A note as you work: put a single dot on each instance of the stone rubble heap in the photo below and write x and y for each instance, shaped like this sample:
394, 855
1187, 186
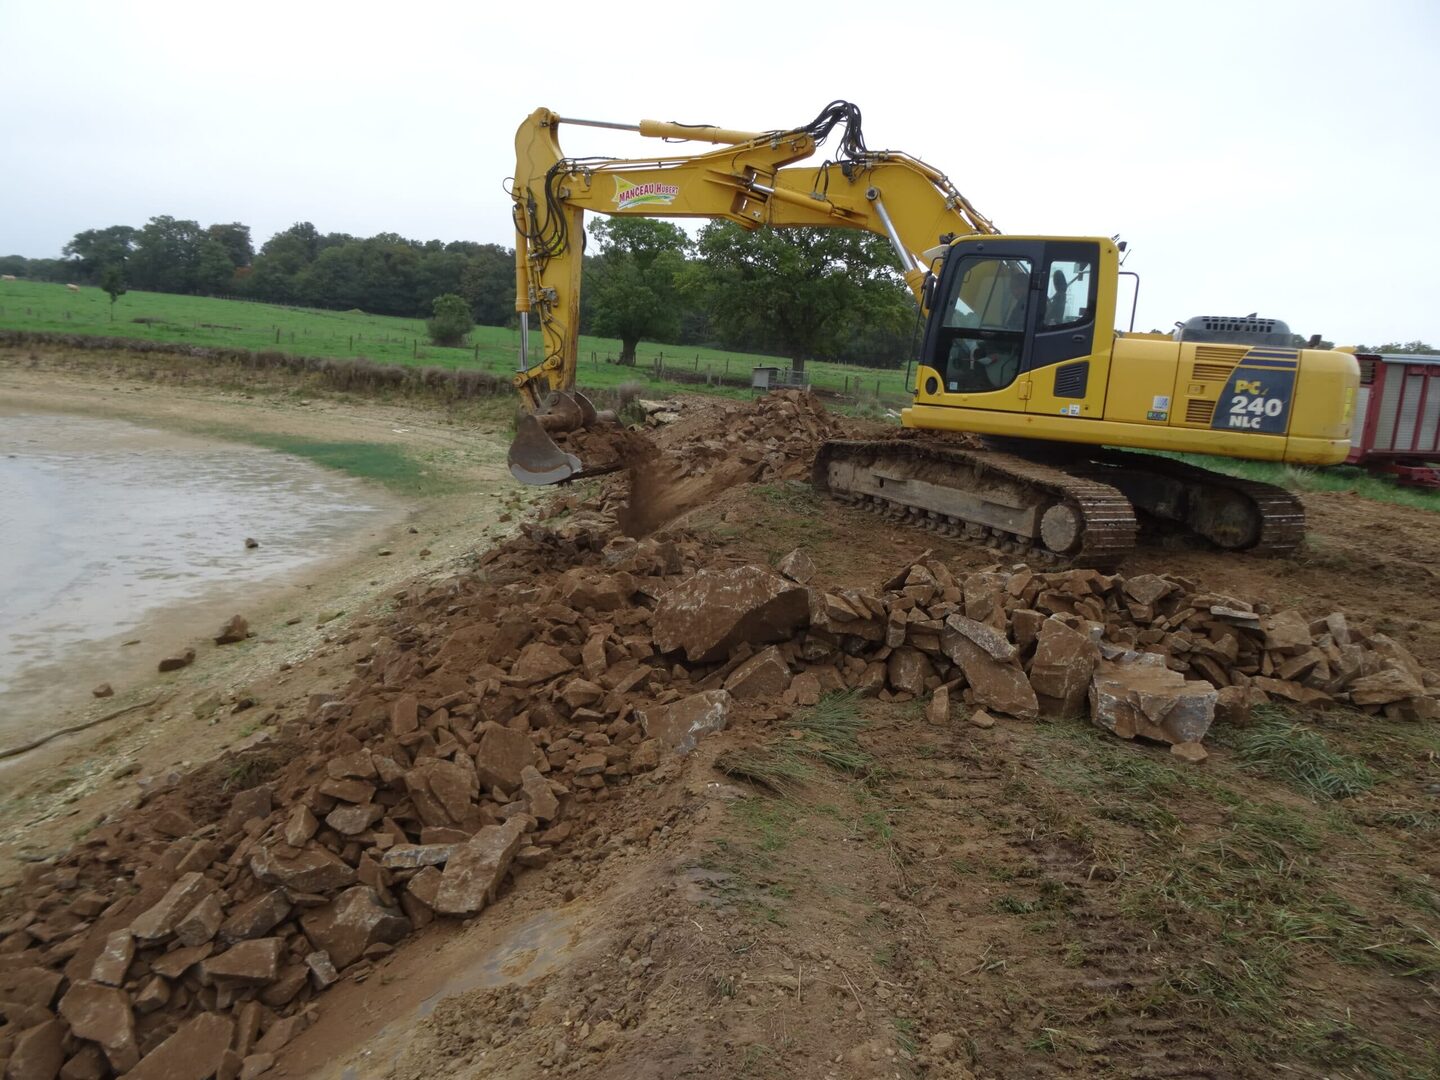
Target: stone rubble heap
776, 435
188, 937
1150, 655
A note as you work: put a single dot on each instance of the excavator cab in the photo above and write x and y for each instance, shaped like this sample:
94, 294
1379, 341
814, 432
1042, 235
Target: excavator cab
1005, 309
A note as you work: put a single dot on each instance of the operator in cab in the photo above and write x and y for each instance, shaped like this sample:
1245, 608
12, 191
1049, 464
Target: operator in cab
979, 365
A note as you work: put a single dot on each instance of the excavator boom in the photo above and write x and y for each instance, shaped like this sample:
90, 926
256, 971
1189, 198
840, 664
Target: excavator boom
753, 181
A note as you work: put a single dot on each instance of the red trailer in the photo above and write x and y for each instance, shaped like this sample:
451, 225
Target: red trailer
1397, 417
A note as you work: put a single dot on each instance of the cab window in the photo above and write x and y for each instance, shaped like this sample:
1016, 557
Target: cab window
985, 319
1069, 298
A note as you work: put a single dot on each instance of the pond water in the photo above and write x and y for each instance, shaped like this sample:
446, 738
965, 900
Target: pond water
104, 523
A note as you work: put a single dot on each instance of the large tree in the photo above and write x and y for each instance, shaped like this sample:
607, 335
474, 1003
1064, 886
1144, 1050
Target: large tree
282, 258
235, 239
633, 288
94, 250
805, 293
167, 255
487, 282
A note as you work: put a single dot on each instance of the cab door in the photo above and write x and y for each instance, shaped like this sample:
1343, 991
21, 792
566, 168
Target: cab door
1067, 373
979, 339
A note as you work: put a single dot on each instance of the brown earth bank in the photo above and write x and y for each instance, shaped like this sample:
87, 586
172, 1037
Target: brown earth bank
785, 790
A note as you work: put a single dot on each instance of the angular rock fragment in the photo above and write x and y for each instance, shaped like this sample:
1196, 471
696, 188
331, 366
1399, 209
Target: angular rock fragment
1061, 669
938, 710
300, 826
474, 874
538, 662
114, 960
248, 963
235, 629
906, 671
159, 922
711, 612
351, 923
806, 688
1150, 701
322, 970
990, 639
764, 676
201, 923
1002, 687
194, 1052
349, 819
178, 661
797, 566
1285, 631
177, 962
312, 869
540, 799
256, 917
38, 1052
681, 724
1386, 686
1193, 752
404, 714
502, 757
102, 1015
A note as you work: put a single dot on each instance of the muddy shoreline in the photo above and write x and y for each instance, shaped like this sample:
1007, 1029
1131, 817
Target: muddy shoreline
124, 540
51, 794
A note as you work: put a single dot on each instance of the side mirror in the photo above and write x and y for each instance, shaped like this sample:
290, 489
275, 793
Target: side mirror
927, 292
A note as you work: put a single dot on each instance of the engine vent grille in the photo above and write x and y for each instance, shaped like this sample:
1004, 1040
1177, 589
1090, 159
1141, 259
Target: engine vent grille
1213, 363
1199, 411
1219, 354
1071, 379
1367, 372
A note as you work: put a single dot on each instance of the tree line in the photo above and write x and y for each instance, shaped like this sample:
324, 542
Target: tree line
803, 294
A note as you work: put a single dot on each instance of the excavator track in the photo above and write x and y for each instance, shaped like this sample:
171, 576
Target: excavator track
1041, 512
1231, 513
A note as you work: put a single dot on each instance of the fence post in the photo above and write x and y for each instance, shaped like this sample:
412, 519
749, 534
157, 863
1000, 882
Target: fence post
477, 354
352, 342
415, 355
277, 335
697, 361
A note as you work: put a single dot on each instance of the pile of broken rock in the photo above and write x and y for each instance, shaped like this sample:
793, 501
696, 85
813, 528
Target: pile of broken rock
1150, 656
774, 436
496, 712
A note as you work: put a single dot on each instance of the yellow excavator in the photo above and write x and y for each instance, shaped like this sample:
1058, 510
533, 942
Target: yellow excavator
1019, 349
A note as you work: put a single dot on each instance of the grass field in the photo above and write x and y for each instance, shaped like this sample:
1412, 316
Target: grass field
244, 324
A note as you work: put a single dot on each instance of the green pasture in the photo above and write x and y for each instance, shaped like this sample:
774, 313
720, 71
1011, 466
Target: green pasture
244, 324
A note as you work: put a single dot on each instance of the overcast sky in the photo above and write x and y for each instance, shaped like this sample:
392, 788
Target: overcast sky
1262, 156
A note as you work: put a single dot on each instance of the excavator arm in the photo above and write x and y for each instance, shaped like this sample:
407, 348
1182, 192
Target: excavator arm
752, 180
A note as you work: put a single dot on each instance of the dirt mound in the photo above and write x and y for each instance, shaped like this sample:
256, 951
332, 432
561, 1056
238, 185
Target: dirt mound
774, 437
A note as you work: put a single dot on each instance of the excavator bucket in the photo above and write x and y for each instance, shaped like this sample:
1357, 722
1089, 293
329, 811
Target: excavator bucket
537, 459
